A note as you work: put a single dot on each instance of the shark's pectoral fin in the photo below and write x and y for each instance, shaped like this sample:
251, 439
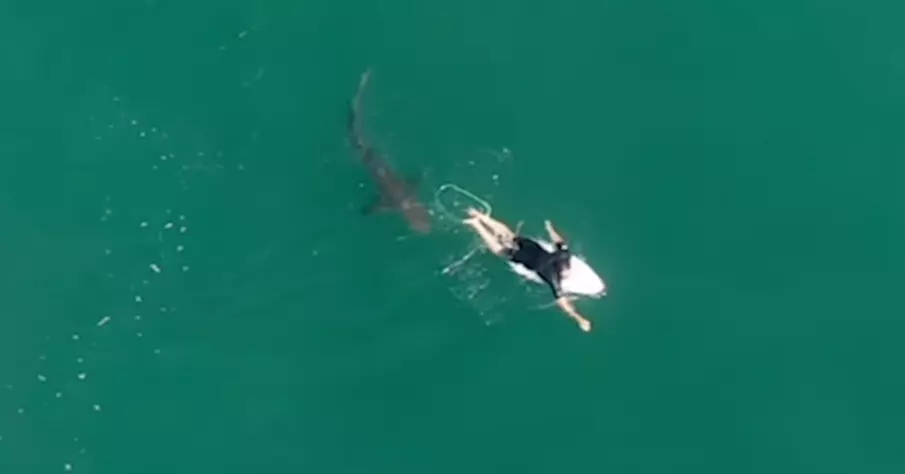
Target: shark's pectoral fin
380, 204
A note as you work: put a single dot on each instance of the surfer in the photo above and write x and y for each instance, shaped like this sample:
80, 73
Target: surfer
551, 267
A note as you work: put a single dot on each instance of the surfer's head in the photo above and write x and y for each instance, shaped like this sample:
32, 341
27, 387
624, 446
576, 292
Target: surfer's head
563, 258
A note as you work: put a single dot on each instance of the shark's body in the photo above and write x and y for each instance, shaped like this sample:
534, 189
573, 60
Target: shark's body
396, 193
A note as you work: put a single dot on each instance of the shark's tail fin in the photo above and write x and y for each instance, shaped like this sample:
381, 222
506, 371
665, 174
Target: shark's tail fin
356, 134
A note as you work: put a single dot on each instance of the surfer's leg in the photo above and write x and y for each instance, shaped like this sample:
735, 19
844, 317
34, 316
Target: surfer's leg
503, 232
491, 240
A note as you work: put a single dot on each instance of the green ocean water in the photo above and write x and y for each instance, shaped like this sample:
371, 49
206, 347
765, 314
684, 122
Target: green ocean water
189, 285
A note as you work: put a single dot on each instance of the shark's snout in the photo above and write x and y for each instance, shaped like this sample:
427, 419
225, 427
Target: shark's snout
418, 217
420, 222
422, 227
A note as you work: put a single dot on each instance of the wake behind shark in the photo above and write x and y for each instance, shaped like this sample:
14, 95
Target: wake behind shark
396, 193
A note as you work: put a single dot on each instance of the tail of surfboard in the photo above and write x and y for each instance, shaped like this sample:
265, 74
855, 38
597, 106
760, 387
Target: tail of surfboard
356, 134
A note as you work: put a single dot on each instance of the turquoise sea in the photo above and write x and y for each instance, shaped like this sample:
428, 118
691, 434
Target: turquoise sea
189, 285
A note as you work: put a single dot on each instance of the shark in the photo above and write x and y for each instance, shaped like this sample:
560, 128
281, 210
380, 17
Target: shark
395, 192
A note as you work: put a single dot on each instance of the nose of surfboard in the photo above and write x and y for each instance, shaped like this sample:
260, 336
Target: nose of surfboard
583, 280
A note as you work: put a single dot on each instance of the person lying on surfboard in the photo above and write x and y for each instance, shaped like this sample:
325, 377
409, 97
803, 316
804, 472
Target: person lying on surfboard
551, 267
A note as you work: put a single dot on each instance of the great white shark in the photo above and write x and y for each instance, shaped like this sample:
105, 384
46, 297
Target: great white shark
396, 193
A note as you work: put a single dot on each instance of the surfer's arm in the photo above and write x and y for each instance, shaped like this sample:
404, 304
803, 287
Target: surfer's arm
566, 305
554, 236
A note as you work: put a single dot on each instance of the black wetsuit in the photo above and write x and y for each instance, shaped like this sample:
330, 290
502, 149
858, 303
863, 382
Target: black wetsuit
548, 266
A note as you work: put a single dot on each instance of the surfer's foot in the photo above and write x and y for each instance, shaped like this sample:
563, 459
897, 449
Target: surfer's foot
475, 214
585, 325
474, 217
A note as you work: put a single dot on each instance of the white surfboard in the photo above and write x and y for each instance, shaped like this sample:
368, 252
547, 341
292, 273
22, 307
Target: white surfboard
581, 280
